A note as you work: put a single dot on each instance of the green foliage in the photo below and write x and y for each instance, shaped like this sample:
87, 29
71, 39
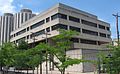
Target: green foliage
22, 45
112, 63
6, 54
62, 44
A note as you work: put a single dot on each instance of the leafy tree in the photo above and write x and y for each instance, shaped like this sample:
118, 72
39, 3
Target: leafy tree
112, 61
62, 44
22, 45
6, 54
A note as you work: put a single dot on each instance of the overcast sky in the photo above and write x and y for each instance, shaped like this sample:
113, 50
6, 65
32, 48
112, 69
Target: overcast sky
102, 8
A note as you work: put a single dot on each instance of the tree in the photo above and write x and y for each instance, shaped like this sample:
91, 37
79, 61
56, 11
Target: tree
6, 54
112, 61
62, 44
22, 45
36, 57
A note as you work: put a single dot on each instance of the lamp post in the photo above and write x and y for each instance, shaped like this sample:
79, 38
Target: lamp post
99, 68
46, 40
33, 36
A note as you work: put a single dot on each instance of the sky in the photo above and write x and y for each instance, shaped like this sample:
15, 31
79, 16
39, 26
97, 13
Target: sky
101, 8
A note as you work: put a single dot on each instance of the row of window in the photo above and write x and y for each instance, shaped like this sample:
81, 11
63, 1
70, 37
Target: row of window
62, 26
86, 41
75, 19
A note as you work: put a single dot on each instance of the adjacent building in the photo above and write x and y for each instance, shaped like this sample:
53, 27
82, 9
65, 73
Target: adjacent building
21, 17
94, 33
10, 22
6, 26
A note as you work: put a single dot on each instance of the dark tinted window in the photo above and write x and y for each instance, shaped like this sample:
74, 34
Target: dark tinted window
39, 33
88, 23
37, 24
101, 26
108, 35
74, 19
75, 40
108, 28
89, 32
47, 19
58, 15
25, 16
27, 28
48, 29
74, 28
88, 41
102, 35
20, 32
59, 26
28, 37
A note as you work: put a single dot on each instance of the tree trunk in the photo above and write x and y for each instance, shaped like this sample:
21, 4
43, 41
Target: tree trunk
40, 68
27, 71
37, 69
1, 67
33, 71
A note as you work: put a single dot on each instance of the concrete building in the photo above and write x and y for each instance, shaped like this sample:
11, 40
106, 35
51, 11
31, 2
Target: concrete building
6, 23
21, 17
94, 33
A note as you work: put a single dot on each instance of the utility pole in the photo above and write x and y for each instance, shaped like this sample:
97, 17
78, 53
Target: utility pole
116, 16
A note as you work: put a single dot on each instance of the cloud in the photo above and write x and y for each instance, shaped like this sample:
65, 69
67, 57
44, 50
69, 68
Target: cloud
20, 5
36, 13
6, 6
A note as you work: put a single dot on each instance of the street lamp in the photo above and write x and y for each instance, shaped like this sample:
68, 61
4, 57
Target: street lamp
46, 40
33, 36
99, 68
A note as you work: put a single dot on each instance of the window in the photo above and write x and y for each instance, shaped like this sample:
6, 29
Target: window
88, 41
63, 16
54, 17
48, 29
38, 33
74, 19
58, 15
27, 28
108, 28
47, 19
14, 35
74, 28
21, 18
25, 16
102, 35
101, 27
89, 32
20, 32
28, 37
108, 35
37, 24
75, 40
89, 23
59, 26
